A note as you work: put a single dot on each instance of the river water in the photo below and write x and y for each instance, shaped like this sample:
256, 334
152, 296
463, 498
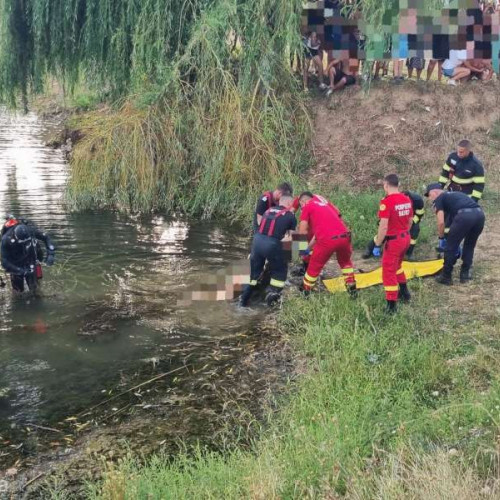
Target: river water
107, 316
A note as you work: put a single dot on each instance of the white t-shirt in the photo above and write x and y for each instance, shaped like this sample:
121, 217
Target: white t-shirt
457, 57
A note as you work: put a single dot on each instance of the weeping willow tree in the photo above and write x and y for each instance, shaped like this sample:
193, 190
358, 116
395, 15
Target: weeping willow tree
210, 108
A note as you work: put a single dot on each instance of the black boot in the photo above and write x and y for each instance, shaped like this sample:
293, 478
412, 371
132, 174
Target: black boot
369, 250
352, 290
404, 293
273, 295
409, 252
465, 275
246, 295
391, 307
444, 279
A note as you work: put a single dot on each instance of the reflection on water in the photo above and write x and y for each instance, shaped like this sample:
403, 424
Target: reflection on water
110, 300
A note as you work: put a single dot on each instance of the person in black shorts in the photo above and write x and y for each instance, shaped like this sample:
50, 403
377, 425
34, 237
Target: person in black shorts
338, 78
314, 54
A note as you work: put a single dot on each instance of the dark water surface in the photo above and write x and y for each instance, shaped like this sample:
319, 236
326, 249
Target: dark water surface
107, 315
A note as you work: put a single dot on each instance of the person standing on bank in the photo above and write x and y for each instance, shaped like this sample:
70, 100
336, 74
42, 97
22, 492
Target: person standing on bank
268, 200
463, 172
396, 217
459, 218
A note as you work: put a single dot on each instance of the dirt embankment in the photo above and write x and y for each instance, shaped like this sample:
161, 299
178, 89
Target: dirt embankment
407, 129
410, 129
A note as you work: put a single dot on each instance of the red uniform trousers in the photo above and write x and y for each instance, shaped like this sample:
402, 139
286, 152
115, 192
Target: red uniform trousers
322, 251
392, 260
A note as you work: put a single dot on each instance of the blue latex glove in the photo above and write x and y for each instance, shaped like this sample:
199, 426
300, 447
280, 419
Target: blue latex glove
377, 251
50, 259
305, 253
441, 245
459, 252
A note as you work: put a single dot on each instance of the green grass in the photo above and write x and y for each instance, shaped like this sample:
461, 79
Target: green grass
376, 391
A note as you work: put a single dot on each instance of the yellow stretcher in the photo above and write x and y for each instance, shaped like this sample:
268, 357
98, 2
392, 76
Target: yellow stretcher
372, 278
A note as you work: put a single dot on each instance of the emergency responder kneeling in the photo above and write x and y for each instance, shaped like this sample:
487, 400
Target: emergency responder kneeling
396, 216
22, 254
459, 218
266, 245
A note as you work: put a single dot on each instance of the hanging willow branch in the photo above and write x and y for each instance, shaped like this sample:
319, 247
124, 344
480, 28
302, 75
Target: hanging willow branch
115, 44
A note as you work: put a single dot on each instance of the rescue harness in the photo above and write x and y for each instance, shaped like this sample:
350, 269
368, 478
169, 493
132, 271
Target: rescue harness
272, 214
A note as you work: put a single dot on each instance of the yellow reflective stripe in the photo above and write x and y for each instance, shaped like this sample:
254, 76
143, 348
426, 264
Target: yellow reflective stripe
253, 282
477, 194
443, 180
416, 219
348, 270
303, 245
413, 242
420, 211
401, 271
391, 288
446, 230
277, 283
459, 180
310, 278
446, 167
478, 180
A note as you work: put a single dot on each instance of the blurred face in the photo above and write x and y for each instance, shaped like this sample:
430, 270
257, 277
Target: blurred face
386, 187
304, 201
277, 194
314, 36
462, 152
434, 194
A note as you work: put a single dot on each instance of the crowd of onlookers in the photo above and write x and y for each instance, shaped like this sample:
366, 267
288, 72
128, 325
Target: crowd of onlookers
335, 74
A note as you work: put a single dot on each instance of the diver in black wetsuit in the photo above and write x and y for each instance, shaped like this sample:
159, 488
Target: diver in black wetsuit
22, 254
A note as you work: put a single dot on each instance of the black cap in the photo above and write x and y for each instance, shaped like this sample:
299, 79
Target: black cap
430, 187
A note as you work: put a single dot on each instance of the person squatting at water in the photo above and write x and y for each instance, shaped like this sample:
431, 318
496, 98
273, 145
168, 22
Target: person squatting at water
266, 245
459, 218
322, 222
268, 200
21, 253
396, 216
418, 206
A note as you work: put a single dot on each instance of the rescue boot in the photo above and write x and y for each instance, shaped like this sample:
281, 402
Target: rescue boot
391, 307
246, 295
404, 293
465, 275
409, 252
352, 290
273, 295
369, 250
444, 279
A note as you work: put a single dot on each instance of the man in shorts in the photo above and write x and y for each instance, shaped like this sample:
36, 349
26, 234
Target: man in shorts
338, 78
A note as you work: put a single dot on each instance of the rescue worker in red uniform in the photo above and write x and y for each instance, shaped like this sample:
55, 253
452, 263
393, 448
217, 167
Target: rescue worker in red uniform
330, 235
267, 246
306, 256
418, 206
396, 217
268, 200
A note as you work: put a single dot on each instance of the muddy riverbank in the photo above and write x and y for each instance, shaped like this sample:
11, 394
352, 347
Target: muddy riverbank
106, 360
